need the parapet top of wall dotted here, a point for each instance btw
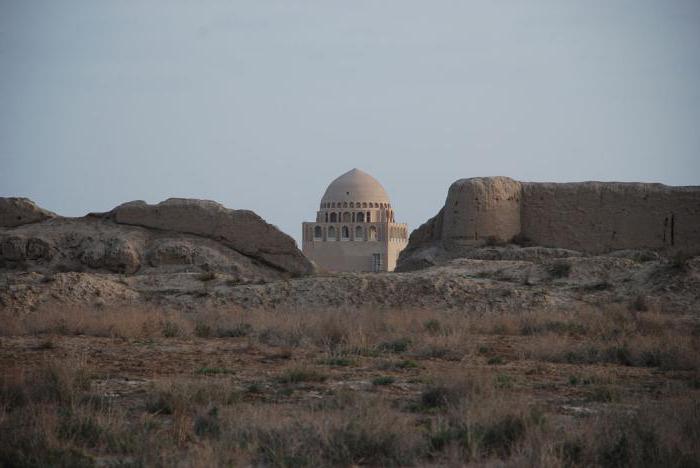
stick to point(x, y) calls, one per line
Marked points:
point(627, 187)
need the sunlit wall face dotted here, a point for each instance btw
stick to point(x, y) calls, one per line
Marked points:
point(258, 104)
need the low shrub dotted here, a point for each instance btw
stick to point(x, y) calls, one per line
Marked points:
point(206, 276)
point(384, 380)
point(395, 346)
point(299, 375)
point(207, 424)
point(559, 269)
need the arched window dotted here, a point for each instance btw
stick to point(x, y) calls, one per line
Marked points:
point(345, 204)
point(318, 233)
point(331, 233)
point(360, 217)
point(364, 204)
point(334, 218)
point(346, 217)
point(345, 233)
point(326, 217)
point(352, 204)
point(369, 217)
point(372, 233)
point(359, 233)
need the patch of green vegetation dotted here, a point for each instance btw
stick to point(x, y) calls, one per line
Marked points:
point(496, 361)
point(384, 380)
point(338, 361)
point(399, 365)
point(504, 381)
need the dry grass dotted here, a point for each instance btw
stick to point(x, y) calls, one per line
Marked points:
point(140, 386)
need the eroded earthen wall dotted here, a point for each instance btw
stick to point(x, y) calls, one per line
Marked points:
point(479, 208)
point(594, 217)
point(602, 216)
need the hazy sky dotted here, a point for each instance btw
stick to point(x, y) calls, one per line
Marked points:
point(260, 104)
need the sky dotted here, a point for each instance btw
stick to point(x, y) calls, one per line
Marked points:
point(260, 104)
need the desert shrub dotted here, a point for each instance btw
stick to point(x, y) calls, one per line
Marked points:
point(504, 381)
point(437, 352)
point(398, 365)
point(532, 327)
point(397, 346)
point(383, 380)
point(559, 269)
point(300, 374)
point(212, 371)
point(355, 443)
point(486, 438)
point(26, 442)
point(171, 329)
point(207, 424)
point(433, 326)
point(358, 432)
point(598, 286)
point(52, 383)
point(161, 403)
point(276, 336)
point(636, 351)
point(78, 428)
point(603, 394)
point(436, 397)
point(235, 331)
point(501, 436)
point(338, 361)
point(653, 436)
point(202, 330)
point(639, 304)
point(206, 276)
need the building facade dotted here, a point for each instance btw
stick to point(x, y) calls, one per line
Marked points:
point(355, 228)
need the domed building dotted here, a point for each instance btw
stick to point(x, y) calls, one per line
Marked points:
point(355, 229)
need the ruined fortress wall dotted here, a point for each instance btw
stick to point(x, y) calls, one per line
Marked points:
point(598, 217)
point(593, 217)
point(479, 208)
